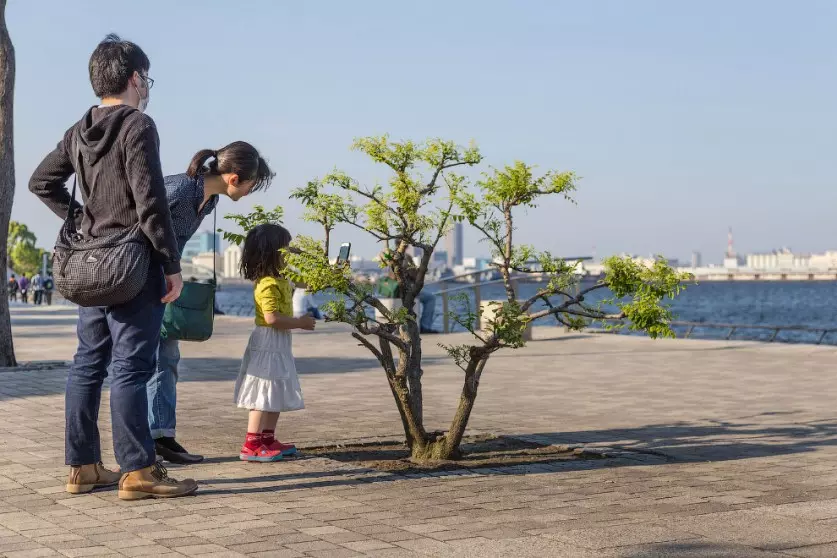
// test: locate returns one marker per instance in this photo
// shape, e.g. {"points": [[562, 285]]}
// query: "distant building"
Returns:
{"points": [[232, 261], [783, 259], [201, 243], [454, 243], [824, 262], [476, 264], [731, 259], [415, 252], [697, 260], [206, 259]]}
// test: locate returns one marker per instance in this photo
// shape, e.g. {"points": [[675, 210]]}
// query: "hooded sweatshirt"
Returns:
{"points": [[123, 180]]}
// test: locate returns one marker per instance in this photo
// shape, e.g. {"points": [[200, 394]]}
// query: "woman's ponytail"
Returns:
{"points": [[198, 164], [239, 158]]}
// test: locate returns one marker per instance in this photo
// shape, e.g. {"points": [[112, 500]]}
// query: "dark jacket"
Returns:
{"points": [[120, 158]]}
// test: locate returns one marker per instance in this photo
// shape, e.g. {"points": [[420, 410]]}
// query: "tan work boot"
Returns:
{"points": [[153, 482], [85, 478]]}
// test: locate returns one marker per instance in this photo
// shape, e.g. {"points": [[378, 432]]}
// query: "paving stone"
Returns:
{"points": [[367, 545], [757, 528], [691, 549], [622, 535], [828, 550], [755, 455]]}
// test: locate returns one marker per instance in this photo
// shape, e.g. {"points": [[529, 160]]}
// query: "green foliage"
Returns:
{"points": [[248, 222], [306, 263], [418, 205], [646, 289], [323, 208], [24, 256]]}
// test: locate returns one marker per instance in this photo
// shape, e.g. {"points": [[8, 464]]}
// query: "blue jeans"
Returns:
{"points": [[428, 309], [162, 390], [126, 338]]}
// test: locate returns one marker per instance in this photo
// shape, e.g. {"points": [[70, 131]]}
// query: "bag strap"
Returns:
{"points": [[70, 220], [215, 244]]}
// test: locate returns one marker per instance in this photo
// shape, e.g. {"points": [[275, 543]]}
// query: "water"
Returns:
{"points": [[805, 303]]}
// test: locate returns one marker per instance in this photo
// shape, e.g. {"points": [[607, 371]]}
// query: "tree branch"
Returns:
{"points": [[439, 170], [383, 334], [566, 310]]}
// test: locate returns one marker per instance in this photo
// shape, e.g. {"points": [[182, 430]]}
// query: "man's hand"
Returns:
{"points": [[307, 322], [174, 285]]}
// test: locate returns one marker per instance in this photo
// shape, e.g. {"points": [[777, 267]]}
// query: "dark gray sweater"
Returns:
{"points": [[120, 150]]}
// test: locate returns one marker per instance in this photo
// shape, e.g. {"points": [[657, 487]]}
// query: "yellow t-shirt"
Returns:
{"points": [[273, 294]]}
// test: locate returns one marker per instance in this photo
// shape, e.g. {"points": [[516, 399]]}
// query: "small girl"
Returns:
{"points": [[267, 383]]}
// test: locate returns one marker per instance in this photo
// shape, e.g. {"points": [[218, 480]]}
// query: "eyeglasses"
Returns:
{"points": [[148, 82]]}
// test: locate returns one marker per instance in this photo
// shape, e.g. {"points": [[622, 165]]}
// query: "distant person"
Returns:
{"points": [[235, 171], [388, 287], [23, 285], [49, 286], [116, 149], [304, 305], [37, 289], [13, 288], [267, 382]]}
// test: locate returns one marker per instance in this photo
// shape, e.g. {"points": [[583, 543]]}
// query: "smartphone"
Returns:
{"points": [[343, 256]]}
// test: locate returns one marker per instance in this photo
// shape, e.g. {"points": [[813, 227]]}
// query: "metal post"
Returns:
{"points": [[445, 317], [477, 301]]}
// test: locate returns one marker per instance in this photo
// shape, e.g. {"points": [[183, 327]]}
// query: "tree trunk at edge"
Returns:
{"points": [[7, 178]]}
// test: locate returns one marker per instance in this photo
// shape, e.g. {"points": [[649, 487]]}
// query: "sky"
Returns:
{"points": [[681, 118]]}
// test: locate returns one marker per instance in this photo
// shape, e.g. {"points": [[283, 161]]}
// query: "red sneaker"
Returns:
{"points": [[261, 455], [285, 449]]}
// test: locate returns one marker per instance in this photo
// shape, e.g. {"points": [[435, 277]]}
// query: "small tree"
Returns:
{"points": [[325, 209], [258, 217], [417, 210], [7, 177]]}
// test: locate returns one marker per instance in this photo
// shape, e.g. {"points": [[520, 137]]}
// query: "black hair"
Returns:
{"points": [[239, 158], [112, 65], [261, 256]]}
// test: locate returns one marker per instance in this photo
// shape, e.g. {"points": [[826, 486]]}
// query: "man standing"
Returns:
{"points": [[115, 147], [13, 287], [24, 288], [37, 289], [49, 285]]}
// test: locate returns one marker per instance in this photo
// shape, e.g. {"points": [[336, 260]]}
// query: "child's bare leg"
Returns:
{"points": [[254, 422], [269, 421]]}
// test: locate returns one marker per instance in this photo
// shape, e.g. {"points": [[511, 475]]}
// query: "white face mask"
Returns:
{"points": [[143, 101]]}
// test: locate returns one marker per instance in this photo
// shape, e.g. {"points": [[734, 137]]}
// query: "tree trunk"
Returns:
{"points": [[448, 446], [414, 432], [7, 178]]}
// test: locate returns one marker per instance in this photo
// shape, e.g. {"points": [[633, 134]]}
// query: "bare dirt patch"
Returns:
{"points": [[478, 452]]}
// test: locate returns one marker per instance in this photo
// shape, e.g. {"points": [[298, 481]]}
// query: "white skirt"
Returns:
{"points": [[267, 380]]}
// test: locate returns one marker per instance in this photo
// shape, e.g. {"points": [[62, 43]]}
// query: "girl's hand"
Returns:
{"points": [[307, 323]]}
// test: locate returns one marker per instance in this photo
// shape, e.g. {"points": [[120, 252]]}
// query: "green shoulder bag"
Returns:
{"points": [[192, 316]]}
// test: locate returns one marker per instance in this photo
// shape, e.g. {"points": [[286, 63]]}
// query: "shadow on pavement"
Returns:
{"points": [[678, 443], [693, 550]]}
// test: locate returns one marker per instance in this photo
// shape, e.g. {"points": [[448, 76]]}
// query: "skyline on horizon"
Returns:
{"points": [[680, 119]]}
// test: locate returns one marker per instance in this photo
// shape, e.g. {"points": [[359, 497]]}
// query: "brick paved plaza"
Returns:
{"points": [[722, 449]]}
